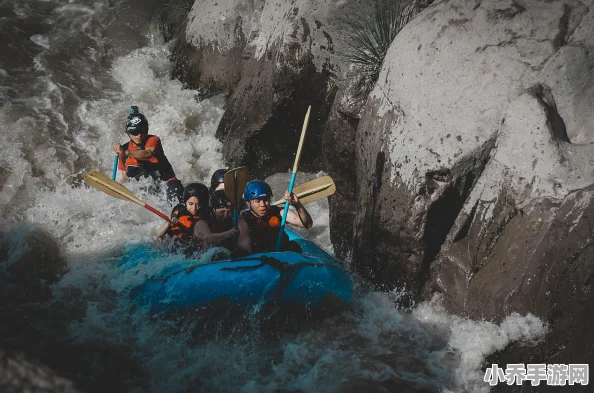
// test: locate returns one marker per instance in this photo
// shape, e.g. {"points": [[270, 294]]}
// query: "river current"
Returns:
{"points": [[69, 71]]}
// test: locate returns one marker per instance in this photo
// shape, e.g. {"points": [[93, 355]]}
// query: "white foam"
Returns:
{"points": [[40, 40], [473, 341]]}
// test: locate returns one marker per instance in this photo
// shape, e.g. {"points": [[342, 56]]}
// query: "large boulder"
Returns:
{"points": [[474, 161], [292, 60], [338, 143], [210, 56], [275, 59]]}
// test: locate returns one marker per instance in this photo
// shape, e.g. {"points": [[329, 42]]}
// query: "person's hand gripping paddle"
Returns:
{"points": [[103, 183]]}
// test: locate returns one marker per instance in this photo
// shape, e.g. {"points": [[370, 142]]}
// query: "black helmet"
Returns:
{"points": [[219, 199], [136, 123], [197, 190], [217, 177]]}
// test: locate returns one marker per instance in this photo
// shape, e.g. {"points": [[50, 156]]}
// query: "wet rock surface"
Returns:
{"points": [[474, 182], [289, 60]]}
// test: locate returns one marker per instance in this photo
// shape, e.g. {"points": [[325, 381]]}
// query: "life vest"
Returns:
{"points": [[264, 230], [184, 229], [157, 167]]}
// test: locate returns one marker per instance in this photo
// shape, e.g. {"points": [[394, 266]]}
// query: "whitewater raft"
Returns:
{"points": [[312, 282]]}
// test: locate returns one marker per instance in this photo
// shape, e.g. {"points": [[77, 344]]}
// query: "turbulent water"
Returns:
{"points": [[69, 70]]}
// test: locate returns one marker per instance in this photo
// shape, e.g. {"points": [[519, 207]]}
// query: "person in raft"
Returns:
{"points": [[260, 224], [217, 181], [222, 221], [185, 216], [143, 156], [215, 232]]}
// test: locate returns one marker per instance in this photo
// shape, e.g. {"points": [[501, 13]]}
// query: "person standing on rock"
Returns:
{"points": [[143, 156]]}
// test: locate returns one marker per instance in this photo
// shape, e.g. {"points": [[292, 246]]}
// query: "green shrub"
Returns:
{"points": [[369, 36]]}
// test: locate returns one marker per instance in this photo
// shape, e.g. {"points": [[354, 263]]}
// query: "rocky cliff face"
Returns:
{"points": [[274, 59], [211, 56], [474, 160]]}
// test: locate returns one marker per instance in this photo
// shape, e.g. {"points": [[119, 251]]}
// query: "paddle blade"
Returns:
{"points": [[235, 183], [321, 187], [111, 187]]}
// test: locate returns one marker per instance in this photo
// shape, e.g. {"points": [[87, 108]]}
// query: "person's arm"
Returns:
{"points": [[244, 242], [301, 218], [163, 229], [167, 225], [152, 144], [141, 155], [202, 233]]}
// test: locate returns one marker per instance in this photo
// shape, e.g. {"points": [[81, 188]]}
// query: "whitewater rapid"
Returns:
{"points": [[69, 72]]}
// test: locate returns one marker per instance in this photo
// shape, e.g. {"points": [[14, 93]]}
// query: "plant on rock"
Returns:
{"points": [[370, 35]]}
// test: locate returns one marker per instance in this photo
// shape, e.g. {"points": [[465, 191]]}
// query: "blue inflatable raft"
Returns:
{"points": [[292, 283]]}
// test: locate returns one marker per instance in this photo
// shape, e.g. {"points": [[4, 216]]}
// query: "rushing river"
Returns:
{"points": [[69, 71]]}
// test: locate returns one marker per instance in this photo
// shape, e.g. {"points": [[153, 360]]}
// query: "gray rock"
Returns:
{"points": [[18, 374], [274, 59], [474, 163], [291, 64], [216, 36], [338, 145]]}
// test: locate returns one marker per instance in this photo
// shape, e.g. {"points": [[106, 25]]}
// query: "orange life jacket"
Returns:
{"points": [[184, 229], [157, 166]]}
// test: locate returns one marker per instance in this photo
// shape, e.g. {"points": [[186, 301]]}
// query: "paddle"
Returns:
{"points": [[313, 190], [111, 187], [115, 167], [235, 182], [293, 175]]}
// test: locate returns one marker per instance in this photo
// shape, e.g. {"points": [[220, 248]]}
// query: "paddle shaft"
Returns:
{"points": [[115, 167], [235, 203], [104, 184], [293, 176], [285, 212], [152, 209]]}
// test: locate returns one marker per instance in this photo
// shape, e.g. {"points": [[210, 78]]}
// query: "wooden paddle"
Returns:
{"points": [[235, 182], [293, 175], [111, 187], [313, 190]]}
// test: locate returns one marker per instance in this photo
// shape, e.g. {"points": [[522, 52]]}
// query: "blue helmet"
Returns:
{"points": [[257, 189]]}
